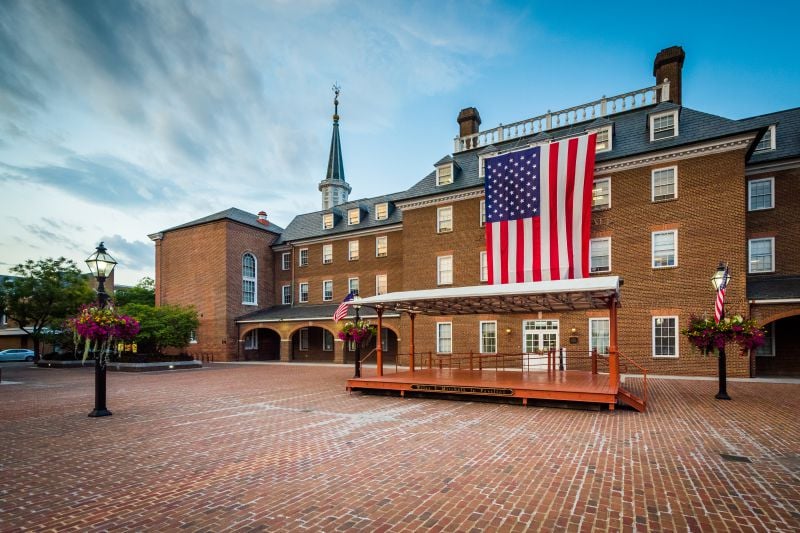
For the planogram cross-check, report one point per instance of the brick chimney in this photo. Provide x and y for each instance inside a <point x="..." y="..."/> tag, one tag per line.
<point x="262" y="218"/>
<point x="669" y="64"/>
<point x="469" y="122"/>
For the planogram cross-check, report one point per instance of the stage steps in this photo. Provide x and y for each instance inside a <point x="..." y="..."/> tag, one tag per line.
<point x="630" y="399"/>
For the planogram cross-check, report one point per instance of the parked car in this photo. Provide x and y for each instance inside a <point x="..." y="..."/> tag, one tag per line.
<point x="16" y="354"/>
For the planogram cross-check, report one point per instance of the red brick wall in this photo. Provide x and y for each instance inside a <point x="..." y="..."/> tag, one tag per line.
<point x="782" y="222"/>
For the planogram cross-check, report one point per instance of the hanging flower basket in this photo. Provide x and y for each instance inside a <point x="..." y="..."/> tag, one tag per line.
<point x="706" y="335"/>
<point x="99" y="328"/>
<point x="360" y="332"/>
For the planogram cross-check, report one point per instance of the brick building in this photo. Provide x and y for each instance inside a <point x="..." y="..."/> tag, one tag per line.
<point x="676" y="191"/>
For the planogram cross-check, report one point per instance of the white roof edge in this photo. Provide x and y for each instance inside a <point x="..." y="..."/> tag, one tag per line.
<point x="604" y="283"/>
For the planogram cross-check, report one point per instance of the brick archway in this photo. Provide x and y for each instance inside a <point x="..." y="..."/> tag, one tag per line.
<point x="259" y="342"/>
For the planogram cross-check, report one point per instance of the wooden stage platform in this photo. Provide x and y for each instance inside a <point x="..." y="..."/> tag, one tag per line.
<point x="566" y="385"/>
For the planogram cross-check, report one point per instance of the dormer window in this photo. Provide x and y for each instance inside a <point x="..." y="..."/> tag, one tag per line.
<point x="767" y="142"/>
<point x="353" y="216"/>
<point x="603" y="141"/>
<point x="382" y="211"/>
<point x="444" y="174"/>
<point x="663" y="126"/>
<point x="327" y="221"/>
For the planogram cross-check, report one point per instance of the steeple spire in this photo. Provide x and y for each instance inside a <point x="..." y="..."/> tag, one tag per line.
<point x="334" y="188"/>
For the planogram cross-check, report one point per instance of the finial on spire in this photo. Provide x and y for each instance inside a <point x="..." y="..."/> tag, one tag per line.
<point x="336" y="90"/>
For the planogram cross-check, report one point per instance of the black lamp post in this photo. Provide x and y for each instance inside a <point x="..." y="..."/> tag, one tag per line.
<point x="102" y="265"/>
<point x="357" y="306"/>
<point x="720" y="281"/>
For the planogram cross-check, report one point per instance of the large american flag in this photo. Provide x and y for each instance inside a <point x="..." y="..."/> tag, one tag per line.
<point x="719" y="305"/>
<point x="538" y="212"/>
<point x="341" y="311"/>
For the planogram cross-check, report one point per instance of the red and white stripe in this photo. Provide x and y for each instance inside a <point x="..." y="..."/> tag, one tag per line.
<point x="719" y="306"/>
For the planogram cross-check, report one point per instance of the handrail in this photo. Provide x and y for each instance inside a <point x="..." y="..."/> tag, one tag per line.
<point x="644" y="374"/>
<point x="374" y="351"/>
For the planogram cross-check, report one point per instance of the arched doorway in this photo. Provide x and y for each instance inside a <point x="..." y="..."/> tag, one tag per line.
<point x="261" y="344"/>
<point x="780" y="356"/>
<point x="389" y="340"/>
<point x="312" y="343"/>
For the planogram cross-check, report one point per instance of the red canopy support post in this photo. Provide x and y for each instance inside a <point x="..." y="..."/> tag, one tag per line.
<point x="613" y="353"/>
<point x="379" y="346"/>
<point x="411" y="355"/>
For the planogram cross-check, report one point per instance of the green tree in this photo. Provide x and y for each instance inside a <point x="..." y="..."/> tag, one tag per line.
<point x="143" y="293"/>
<point x="167" y="326"/>
<point x="43" y="294"/>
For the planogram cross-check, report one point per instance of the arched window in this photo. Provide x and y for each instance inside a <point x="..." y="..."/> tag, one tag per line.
<point x="249" y="279"/>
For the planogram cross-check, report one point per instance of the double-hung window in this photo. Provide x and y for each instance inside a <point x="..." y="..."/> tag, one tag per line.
<point x="444" y="219"/>
<point x="352" y="250"/>
<point x="482" y="217"/>
<point x="381" y="211"/>
<point x="286" y="294"/>
<point x="303" y="340"/>
<point x="380" y="284"/>
<point x="302" y="290"/>
<point x="327" y="290"/>
<point x="444" y="175"/>
<point x="444" y="270"/>
<point x="665" y="249"/>
<point x="600" y="255"/>
<point x="286" y="261"/>
<point x="762" y="255"/>
<point x="599" y="335"/>
<point x="760" y="194"/>
<point x="327" y="254"/>
<point x="484" y="267"/>
<point x="603" y="140"/>
<point x="601" y="194"/>
<point x="444" y="337"/>
<point x="327" y="341"/>
<point x="665" y="184"/>
<point x="353" y="216"/>
<point x="665" y="336"/>
<point x="327" y="221"/>
<point x="663" y="126"/>
<point x="488" y="333"/>
<point x="381" y="246"/>
<point x="302" y="257"/>
<point x="352" y="285"/>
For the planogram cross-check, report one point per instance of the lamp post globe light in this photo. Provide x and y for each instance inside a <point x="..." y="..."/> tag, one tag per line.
<point x="720" y="281"/>
<point x="357" y="306"/>
<point x="101" y="265"/>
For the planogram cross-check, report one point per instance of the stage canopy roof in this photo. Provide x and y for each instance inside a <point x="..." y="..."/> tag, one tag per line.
<point x="562" y="295"/>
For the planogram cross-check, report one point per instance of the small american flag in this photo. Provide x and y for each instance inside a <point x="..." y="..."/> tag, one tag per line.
<point x="538" y="212"/>
<point x="341" y="311"/>
<point x="719" y="307"/>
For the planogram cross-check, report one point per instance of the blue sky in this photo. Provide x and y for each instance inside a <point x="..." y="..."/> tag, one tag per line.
<point x="119" y="119"/>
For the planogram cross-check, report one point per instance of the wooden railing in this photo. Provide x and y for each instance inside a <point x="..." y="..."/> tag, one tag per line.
<point x="627" y="361"/>
<point x="566" y="117"/>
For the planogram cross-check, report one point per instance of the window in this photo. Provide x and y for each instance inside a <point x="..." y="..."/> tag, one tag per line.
<point x="381" y="246"/>
<point x="352" y="285"/>
<point x="381" y="211"/>
<point x="380" y="284"/>
<point x="665" y="184"/>
<point x="599" y="335"/>
<point x="768" y="348"/>
<point x="444" y="337"/>
<point x="489" y="337"/>
<point x="385" y="339"/>
<point x="286" y="261"/>
<point x="249" y="279"/>
<point x="600" y="256"/>
<point x="303" y="257"/>
<point x="603" y="141"/>
<point x="444" y="270"/>
<point x="327" y="221"/>
<point x="327" y="254"/>
<point x="192" y="334"/>
<point x="327" y="290"/>
<point x="665" y="336"/>
<point x="444" y="219"/>
<point x="352" y="250"/>
<point x="251" y="340"/>
<point x="484" y="267"/>
<point x="353" y="216"/>
<point x="762" y="255"/>
<point x="302" y="290"/>
<point x="327" y="341"/>
<point x="482" y="216"/>
<point x="760" y="194"/>
<point x="665" y="246"/>
<point x="286" y="292"/>
<point x="663" y="126"/>
<point x="601" y="194"/>
<point x="444" y="175"/>
<point x="303" y="340"/>
<point x="767" y="142"/>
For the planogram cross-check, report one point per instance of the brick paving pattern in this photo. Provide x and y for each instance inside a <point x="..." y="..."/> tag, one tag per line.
<point x="285" y="448"/>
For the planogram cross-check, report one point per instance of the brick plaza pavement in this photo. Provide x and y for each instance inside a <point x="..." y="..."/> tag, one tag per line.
<point x="284" y="448"/>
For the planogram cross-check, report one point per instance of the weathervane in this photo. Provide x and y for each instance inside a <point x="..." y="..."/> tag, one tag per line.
<point x="336" y="90"/>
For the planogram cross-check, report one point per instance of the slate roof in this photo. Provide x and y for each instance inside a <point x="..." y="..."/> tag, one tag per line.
<point x="237" y="215"/>
<point x="279" y="313"/>
<point x="773" y="287"/>
<point x="787" y="134"/>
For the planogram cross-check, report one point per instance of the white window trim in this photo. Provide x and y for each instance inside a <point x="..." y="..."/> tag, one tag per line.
<point x="750" y="255"/>
<point x="323" y="290"/>
<point x="283" y="294"/>
<point x="254" y="279"/>
<point x="439" y="259"/>
<point x="438" y="219"/>
<point x="286" y="261"/>
<point x="327" y="219"/>
<point x="330" y="260"/>
<point x="609" y="255"/>
<point x="300" y="257"/>
<point x="482" y="214"/>
<point x="349" y="222"/>
<point x="377" y="285"/>
<point x="483" y="260"/>
<point x="438" y="324"/>
<point x="610" y="130"/>
<point x="300" y="292"/>
<point x="386" y="239"/>
<point x="480" y="335"/>
<point x="386" y="206"/>
<point x="750" y="183"/>
<point x="350" y="285"/>
<point x="301" y="335"/>
<point x="674" y="169"/>
<point x="452" y="174"/>
<point x="589" y="336"/>
<point x="325" y="336"/>
<point x="772" y="143"/>
<point x="653" y="338"/>
<point x="653" y="118"/>
<point x="251" y="340"/>
<point x="603" y="207"/>
<point x="653" y="248"/>
<point x="350" y="250"/>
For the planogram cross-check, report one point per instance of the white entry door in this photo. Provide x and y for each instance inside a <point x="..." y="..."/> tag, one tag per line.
<point x="538" y="337"/>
